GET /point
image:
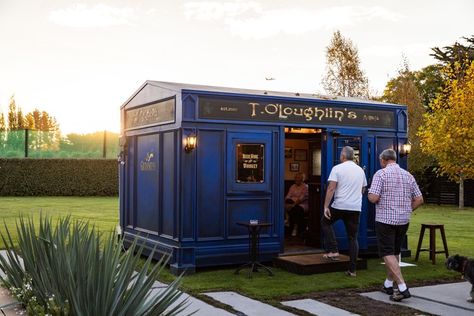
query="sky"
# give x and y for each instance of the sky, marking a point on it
(80, 61)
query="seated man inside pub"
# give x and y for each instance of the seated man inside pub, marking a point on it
(296, 205)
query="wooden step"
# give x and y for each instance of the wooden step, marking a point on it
(315, 263)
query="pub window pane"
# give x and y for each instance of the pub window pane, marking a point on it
(250, 163)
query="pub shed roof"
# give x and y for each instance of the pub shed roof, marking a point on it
(154, 90)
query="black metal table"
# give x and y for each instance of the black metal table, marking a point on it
(254, 248)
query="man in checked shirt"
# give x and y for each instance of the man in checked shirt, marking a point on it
(395, 194)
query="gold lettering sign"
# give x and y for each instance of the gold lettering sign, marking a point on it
(250, 163)
(148, 163)
(315, 112)
(162, 112)
(308, 113)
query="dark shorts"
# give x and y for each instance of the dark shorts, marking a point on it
(390, 238)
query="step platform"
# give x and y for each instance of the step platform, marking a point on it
(315, 263)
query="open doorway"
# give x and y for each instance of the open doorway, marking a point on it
(303, 156)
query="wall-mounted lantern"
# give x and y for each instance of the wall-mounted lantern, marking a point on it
(123, 151)
(405, 149)
(190, 143)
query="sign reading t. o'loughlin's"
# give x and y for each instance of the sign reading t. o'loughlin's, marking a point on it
(162, 112)
(237, 109)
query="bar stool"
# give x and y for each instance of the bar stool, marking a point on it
(432, 248)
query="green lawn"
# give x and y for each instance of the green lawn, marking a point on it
(104, 213)
(458, 227)
(100, 211)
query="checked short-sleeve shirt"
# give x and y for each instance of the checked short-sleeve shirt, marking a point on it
(396, 188)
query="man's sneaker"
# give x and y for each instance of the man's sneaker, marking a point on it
(397, 296)
(387, 290)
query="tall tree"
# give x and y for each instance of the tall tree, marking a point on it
(36, 118)
(12, 115)
(448, 131)
(457, 57)
(3, 126)
(20, 119)
(430, 83)
(344, 76)
(30, 121)
(403, 90)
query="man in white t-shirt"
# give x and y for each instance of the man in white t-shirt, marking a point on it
(346, 184)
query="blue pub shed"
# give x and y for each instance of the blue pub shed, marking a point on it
(198, 159)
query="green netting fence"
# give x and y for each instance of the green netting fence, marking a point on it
(41, 144)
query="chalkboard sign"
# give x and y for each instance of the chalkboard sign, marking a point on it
(250, 163)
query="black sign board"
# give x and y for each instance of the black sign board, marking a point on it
(158, 113)
(250, 163)
(248, 110)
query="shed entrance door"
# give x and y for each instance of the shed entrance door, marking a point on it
(303, 154)
(362, 154)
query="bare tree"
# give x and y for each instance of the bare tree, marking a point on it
(344, 76)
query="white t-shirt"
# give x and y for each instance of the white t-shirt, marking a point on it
(350, 180)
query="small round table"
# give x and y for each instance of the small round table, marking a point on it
(254, 247)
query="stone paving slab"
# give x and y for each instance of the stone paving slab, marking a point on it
(5, 298)
(317, 308)
(248, 306)
(202, 308)
(446, 299)
(455, 294)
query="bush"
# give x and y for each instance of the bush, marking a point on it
(57, 177)
(68, 269)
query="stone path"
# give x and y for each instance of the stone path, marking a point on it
(317, 308)
(246, 305)
(445, 299)
(194, 305)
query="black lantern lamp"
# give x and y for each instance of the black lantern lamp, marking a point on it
(190, 143)
(405, 149)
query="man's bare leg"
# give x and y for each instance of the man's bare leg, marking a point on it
(394, 272)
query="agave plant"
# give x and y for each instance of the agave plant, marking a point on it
(69, 268)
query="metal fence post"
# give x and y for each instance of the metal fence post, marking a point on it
(26, 143)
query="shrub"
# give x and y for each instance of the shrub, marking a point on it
(70, 269)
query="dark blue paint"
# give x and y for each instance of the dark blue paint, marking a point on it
(188, 207)
(147, 209)
(210, 199)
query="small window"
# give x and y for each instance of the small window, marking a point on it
(250, 168)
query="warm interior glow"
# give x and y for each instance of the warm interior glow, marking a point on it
(297, 130)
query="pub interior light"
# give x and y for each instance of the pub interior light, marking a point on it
(298, 130)
(405, 149)
(190, 143)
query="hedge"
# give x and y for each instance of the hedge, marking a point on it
(58, 177)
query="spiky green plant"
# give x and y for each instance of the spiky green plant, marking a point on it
(69, 268)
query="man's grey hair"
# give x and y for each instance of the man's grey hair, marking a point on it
(348, 152)
(388, 154)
